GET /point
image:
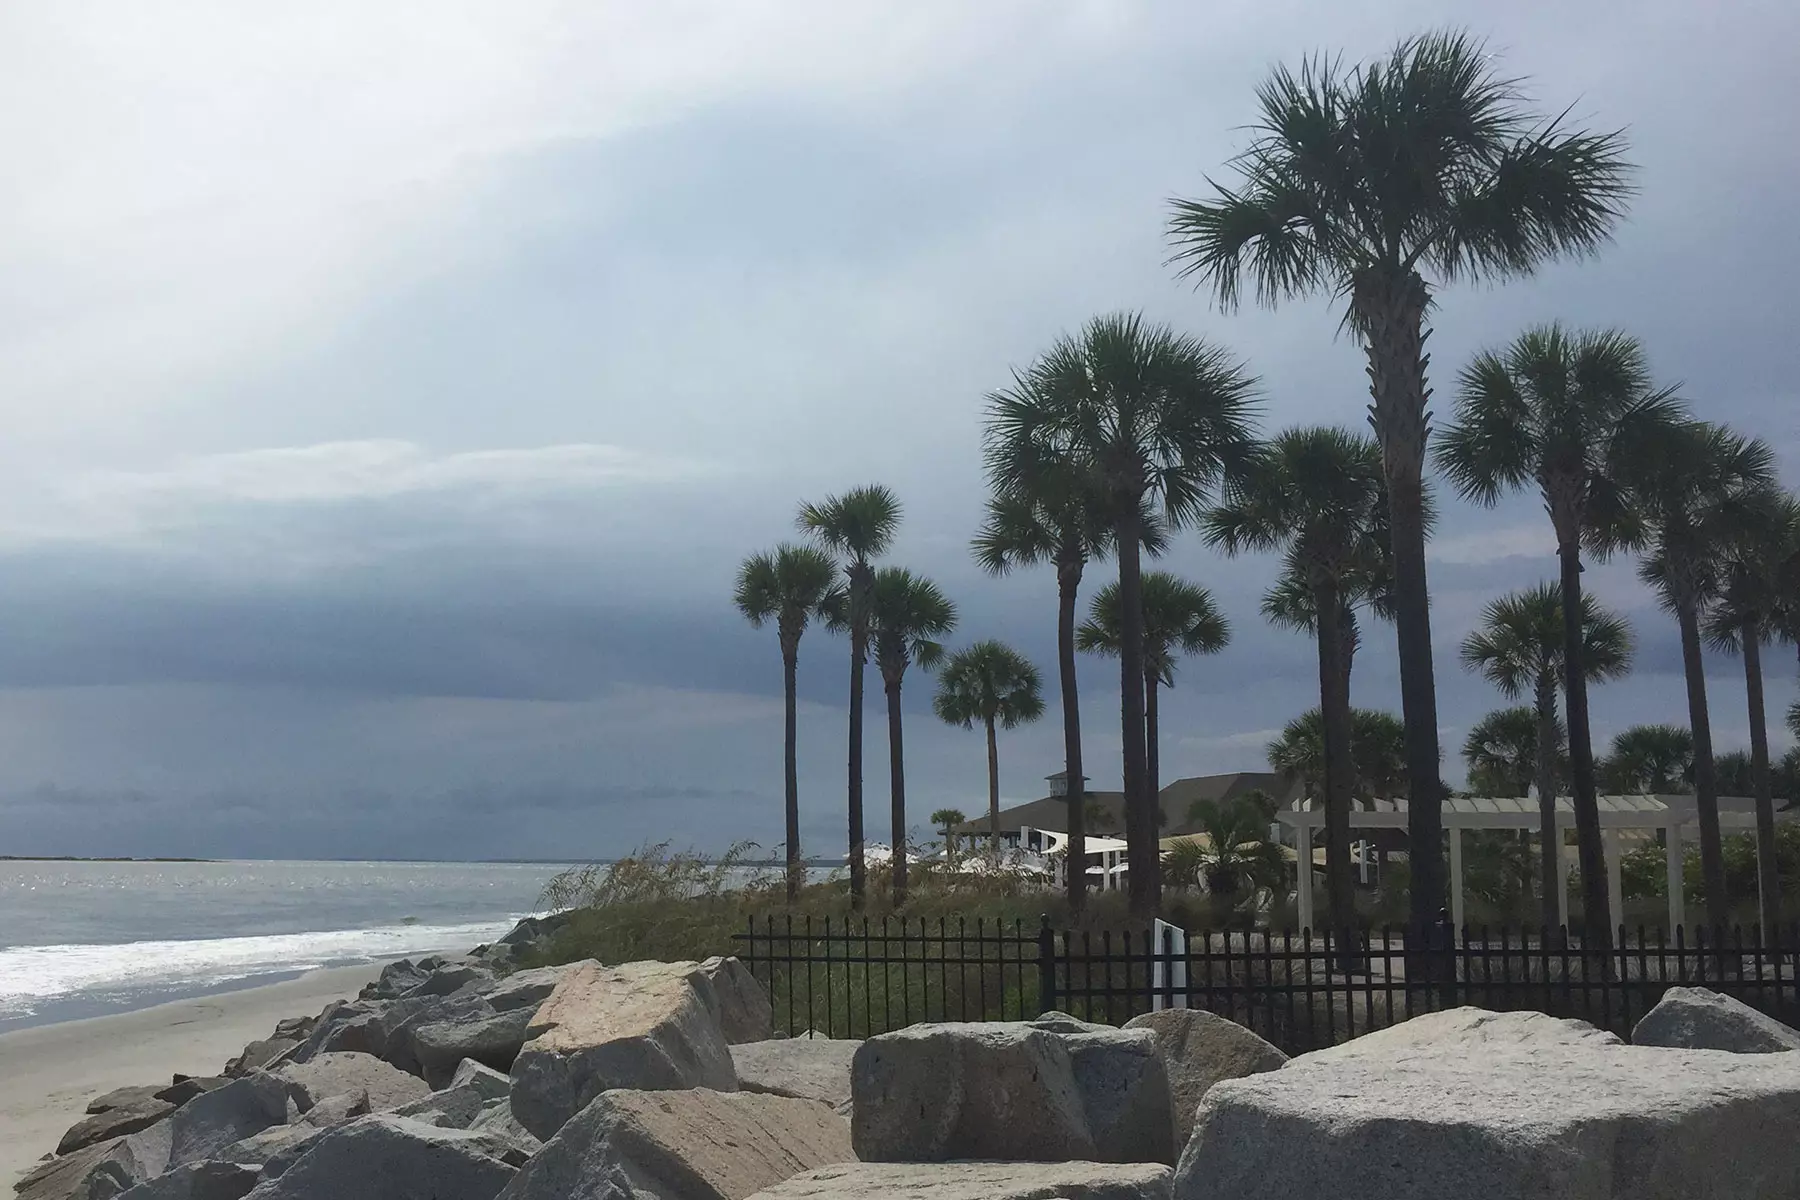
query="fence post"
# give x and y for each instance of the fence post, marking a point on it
(1046, 966)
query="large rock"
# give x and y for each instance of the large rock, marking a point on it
(100, 1171)
(124, 1097)
(207, 1124)
(640, 1025)
(807, 1068)
(383, 1157)
(525, 989)
(128, 1115)
(736, 1000)
(1463, 1031)
(447, 979)
(186, 1087)
(1573, 1121)
(1047, 1090)
(1198, 1049)
(258, 1055)
(472, 1088)
(491, 1038)
(692, 1145)
(977, 1181)
(1697, 1019)
(198, 1181)
(346, 1074)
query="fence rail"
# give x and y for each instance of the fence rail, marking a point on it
(1300, 990)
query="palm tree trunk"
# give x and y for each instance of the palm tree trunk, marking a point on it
(1768, 895)
(1068, 583)
(858, 877)
(897, 790)
(993, 790)
(1144, 875)
(1340, 772)
(796, 870)
(1390, 313)
(1706, 784)
(1549, 837)
(1152, 747)
(1590, 850)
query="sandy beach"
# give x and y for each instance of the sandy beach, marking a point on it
(51, 1072)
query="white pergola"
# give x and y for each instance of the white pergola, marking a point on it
(1619, 816)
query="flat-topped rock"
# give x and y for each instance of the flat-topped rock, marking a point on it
(977, 1181)
(643, 1026)
(1584, 1120)
(1690, 1018)
(343, 1073)
(198, 1181)
(807, 1068)
(491, 1038)
(100, 1171)
(1047, 1090)
(695, 1145)
(1463, 1030)
(207, 1124)
(383, 1157)
(123, 1115)
(1199, 1049)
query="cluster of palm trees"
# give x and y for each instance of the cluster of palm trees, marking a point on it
(1379, 184)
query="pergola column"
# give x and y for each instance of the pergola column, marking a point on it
(1562, 884)
(1456, 879)
(1303, 838)
(1615, 880)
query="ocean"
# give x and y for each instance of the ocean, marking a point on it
(82, 939)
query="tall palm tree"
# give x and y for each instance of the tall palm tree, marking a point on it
(1370, 182)
(1520, 649)
(1377, 752)
(1766, 538)
(1179, 618)
(994, 685)
(1656, 760)
(1561, 411)
(1141, 415)
(1317, 494)
(1689, 487)
(1504, 753)
(787, 586)
(907, 617)
(1055, 517)
(860, 525)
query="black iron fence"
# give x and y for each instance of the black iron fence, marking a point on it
(1301, 991)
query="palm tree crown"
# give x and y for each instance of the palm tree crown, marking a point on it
(785, 585)
(1655, 759)
(860, 523)
(907, 617)
(1179, 618)
(988, 681)
(1519, 645)
(1377, 750)
(1501, 751)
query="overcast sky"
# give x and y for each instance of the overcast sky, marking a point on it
(390, 391)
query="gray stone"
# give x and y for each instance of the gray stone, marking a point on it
(1463, 1030)
(492, 1038)
(207, 1124)
(472, 1088)
(198, 1181)
(122, 1097)
(294, 1027)
(1575, 1121)
(490, 1083)
(447, 979)
(258, 1055)
(735, 999)
(497, 1118)
(641, 1025)
(339, 1074)
(978, 1181)
(1045, 1092)
(100, 1171)
(186, 1087)
(525, 989)
(128, 1115)
(335, 1110)
(383, 1157)
(399, 977)
(690, 1145)
(271, 1146)
(1690, 1018)
(804, 1067)
(1198, 1049)
(533, 930)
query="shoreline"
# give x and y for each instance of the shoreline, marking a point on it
(52, 1071)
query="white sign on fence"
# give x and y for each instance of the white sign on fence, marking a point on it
(1168, 973)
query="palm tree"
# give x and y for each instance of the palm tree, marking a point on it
(1377, 753)
(1689, 487)
(1317, 494)
(787, 586)
(1559, 411)
(1179, 618)
(907, 617)
(1749, 610)
(1520, 649)
(1655, 760)
(946, 820)
(859, 524)
(1230, 850)
(1362, 181)
(1140, 414)
(1055, 519)
(1504, 754)
(995, 685)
